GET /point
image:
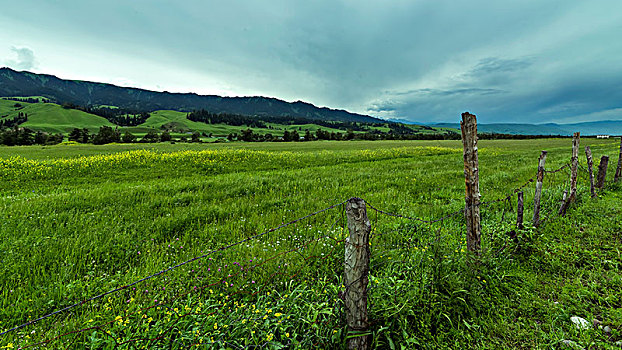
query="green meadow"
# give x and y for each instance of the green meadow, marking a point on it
(81, 220)
(53, 118)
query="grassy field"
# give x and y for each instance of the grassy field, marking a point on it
(80, 220)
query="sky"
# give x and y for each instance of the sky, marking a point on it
(426, 61)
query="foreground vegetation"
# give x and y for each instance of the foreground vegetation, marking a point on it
(81, 220)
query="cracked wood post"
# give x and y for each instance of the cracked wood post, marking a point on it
(519, 211)
(618, 174)
(538, 194)
(602, 172)
(356, 273)
(562, 208)
(590, 164)
(468, 126)
(574, 165)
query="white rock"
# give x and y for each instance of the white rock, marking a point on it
(571, 344)
(607, 329)
(581, 323)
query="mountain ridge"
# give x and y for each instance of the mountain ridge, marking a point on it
(606, 127)
(86, 93)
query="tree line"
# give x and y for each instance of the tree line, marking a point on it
(11, 122)
(27, 99)
(117, 116)
(17, 136)
(107, 134)
(263, 121)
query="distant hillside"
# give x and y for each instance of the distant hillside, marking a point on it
(84, 93)
(608, 127)
(51, 118)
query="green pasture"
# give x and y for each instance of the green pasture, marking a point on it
(80, 220)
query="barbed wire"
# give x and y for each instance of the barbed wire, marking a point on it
(407, 244)
(227, 280)
(115, 290)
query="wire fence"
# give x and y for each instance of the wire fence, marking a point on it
(225, 296)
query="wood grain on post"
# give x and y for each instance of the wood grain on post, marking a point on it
(602, 172)
(519, 211)
(356, 273)
(590, 164)
(562, 208)
(468, 126)
(574, 166)
(538, 194)
(618, 173)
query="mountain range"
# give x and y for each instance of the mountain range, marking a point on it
(84, 93)
(607, 127)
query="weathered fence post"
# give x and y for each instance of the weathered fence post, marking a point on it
(519, 211)
(468, 125)
(602, 172)
(574, 165)
(618, 174)
(590, 164)
(356, 273)
(562, 208)
(538, 194)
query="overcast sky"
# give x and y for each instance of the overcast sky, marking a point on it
(506, 61)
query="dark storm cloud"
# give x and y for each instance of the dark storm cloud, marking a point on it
(521, 61)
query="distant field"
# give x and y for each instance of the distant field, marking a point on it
(80, 220)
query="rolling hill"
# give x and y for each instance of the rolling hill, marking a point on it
(52, 118)
(84, 93)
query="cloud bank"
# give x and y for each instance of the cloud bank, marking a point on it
(524, 61)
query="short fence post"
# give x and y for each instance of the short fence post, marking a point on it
(562, 208)
(468, 126)
(538, 194)
(618, 174)
(590, 164)
(602, 172)
(519, 211)
(356, 273)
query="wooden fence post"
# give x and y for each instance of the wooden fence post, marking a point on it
(519, 211)
(618, 174)
(602, 172)
(356, 273)
(538, 194)
(574, 165)
(562, 208)
(590, 164)
(468, 126)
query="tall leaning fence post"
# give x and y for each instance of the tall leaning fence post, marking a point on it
(618, 173)
(356, 273)
(574, 166)
(538, 194)
(602, 172)
(590, 164)
(468, 126)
